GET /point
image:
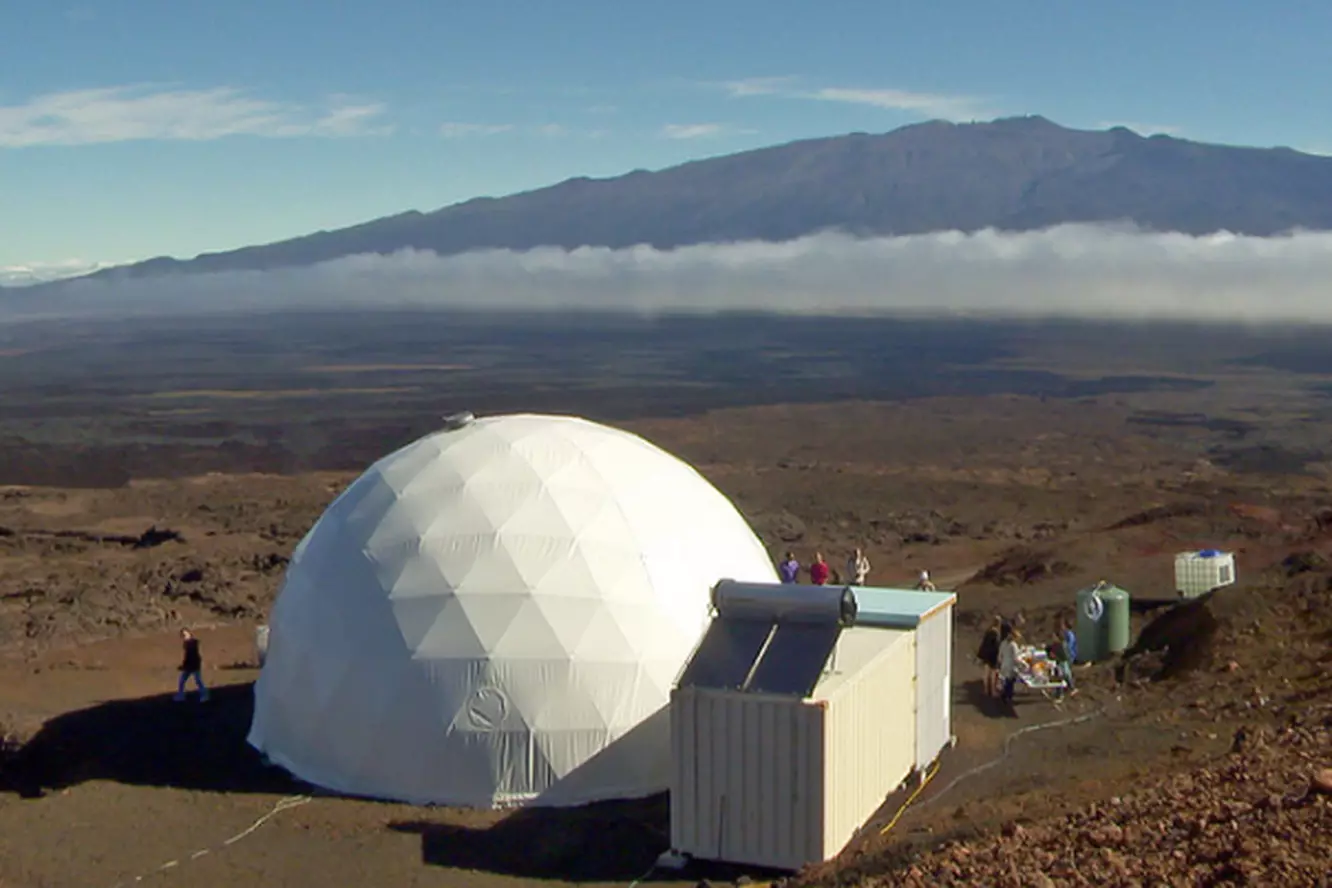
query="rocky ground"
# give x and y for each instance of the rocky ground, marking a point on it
(84, 564)
(1262, 816)
(1016, 502)
(1238, 689)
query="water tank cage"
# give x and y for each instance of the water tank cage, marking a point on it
(1200, 572)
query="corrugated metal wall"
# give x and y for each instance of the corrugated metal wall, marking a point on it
(934, 684)
(871, 740)
(782, 782)
(747, 783)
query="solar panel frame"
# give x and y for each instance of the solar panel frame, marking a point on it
(726, 655)
(794, 660)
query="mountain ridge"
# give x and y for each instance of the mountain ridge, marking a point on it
(1012, 174)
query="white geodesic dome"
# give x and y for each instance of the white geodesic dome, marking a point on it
(495, 614)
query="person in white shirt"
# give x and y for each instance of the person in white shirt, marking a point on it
(857, 568)
(924, 584)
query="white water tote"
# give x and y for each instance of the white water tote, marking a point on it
(1197, 573)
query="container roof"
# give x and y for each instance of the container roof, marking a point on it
(898, 608)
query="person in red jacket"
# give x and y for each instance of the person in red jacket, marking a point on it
(818, 570)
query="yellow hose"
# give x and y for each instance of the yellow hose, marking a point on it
(900, 811)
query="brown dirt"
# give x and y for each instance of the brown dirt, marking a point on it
(108, 779)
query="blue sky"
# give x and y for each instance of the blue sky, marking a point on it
(145, 127)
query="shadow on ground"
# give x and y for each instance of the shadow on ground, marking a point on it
(990, 707)
(608, 842)
(1180, 640)
(616, 841)
(150, 741)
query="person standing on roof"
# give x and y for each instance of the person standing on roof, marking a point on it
(191, 666)
(857, 568)
(789, 569)
(818, 570)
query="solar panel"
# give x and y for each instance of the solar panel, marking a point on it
(726, 654)
(795, 659)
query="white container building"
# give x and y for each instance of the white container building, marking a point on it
(1197, 573)
(801, 711)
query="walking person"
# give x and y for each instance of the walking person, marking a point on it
(818, 570)
(858, 568)
(789, 569)
(191, 666)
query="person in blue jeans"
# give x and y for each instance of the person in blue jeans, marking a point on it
(191, 666)
(1070, 652)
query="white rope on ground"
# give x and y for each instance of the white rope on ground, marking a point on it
(281, 805)
(647, 875)
(1008, 746)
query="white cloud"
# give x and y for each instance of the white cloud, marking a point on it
(1071, 271)
(1143, 129)
(348, 118)
(129, 113)
(460, 130)
(759, 86)
(927, 104)
(691, 130)
(934, 105)
(455, 130)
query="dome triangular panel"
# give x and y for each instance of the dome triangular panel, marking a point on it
(436, 622)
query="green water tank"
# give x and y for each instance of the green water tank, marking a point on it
(1103, 622)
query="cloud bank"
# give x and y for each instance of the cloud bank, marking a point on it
(37, 272)
(1072, 271)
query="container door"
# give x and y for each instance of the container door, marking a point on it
(934, 682)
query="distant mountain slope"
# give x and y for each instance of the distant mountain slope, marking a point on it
(1017, 174)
